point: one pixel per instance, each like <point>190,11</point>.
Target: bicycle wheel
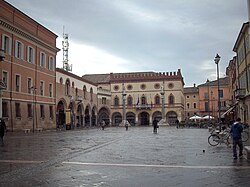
<point>244,136</point>
<point>213,140</point>
<point>229,139</point>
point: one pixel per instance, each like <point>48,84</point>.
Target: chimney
<point>194,85</point>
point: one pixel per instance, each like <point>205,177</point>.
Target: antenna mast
<point>65,45</point>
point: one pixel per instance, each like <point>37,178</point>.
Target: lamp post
<point>3,86</point>
<point>208,100</point>
<point>123,104</point>
<point>34,108</point>
<point>216,60</point>
<point>162,104</point>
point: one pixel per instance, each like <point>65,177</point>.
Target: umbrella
<point>195,117</point>
<point>208,117</point>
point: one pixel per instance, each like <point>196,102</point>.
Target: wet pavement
<point>115,157</point>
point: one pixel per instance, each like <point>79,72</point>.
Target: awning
<point>229,110</point>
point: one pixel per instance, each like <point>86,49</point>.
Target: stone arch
<point>171,117</point>
<point>156,115</point>
<point>60,113</point>
<point>104,115</point>
<point>87,115</point>
<point>143,118</point>
<point>79,115</point>
<point>94,116</point>
<point>130,117</point>
<point>116,119</point>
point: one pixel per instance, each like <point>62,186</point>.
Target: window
<point>51,63</point>
<point>17,83</point>
<point>50,90</point>
<point>42,59</point>
<point>19,50</point>
<point>194,105</point>
<point>67,87</point>
<point>42,114</point>
<point>188,105</point>
<point>84,92</point>
<point>187,96</point>
<point>29,85</point>
<point>221,93</point>
<point>130,100</point>
<point>116,101</point>
<point>18,110</point>
<point>30,113</point>
<point>143,100</point>
<point>157,100</point>
<point>194,96</point>
<point>91,94</point>
<point>30,54</point>
<point>171,99</point>
<point>104,101</point>
<point>41,88</point>
<point>51,113</point>
<point>206,95</point>
<point>6,44</point>
<point>5,78</point>
<point>76,91</point>
<point>206,106</point>
<point>5,109</point>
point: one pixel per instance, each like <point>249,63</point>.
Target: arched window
<point>129,100</point>
<point>61,80</point>
<point>67,87</point>
<point>188,105</point>
<point>91,94</point>
<point>84,90</point>
<point>171,99</point>
<point>76,91</point>
<point>157,100</point>
<point>143,100</point>
<point>116,101</point>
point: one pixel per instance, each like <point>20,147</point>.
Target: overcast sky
<point>143,35</point>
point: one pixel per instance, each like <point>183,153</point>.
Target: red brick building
<point>28,70</point>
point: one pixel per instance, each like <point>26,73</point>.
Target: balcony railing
<point>240,93</point>
<point>143,106</point>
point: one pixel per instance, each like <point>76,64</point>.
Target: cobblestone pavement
<point>115,157</point>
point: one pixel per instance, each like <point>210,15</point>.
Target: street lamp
<point>34,108</point>
<point>216,60</point>
<point>162,104</point>
<point>3,86</point>
<point>123,104</point>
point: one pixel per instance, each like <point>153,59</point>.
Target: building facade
<point>143,96</point>
<point>208,97</point>
<point>191,95</point>
<point>241,91</point>
<point>28,70</point>
<point>76,101</point>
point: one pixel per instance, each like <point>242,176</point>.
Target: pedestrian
<point>2,130</point>
<point>155,125</point>
<point>236,131</point>
<point>126,125</point>
<point>177,123</point>
<point>103,124</point>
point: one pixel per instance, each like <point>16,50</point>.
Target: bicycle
<point>218,137</point>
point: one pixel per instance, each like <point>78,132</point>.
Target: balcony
<point>143,106</point>
<point>240,93</point>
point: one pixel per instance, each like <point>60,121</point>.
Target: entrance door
<point>144,118</point>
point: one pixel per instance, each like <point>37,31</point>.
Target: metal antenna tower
<point>65,45</point>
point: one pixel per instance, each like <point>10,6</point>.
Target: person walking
<point>2,130</point>
<point>155,125</point>
<point>177,123</point>
<point>236,131</point>
<point>126,125</point>
<point>103,124</point>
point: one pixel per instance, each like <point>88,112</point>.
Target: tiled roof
<point>97,78</point>
<point>223,82</point>
<point>190,90</point>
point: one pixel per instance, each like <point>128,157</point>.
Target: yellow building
<point>139,96</point>
<point>191,101</point>
<point>242,91</point>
